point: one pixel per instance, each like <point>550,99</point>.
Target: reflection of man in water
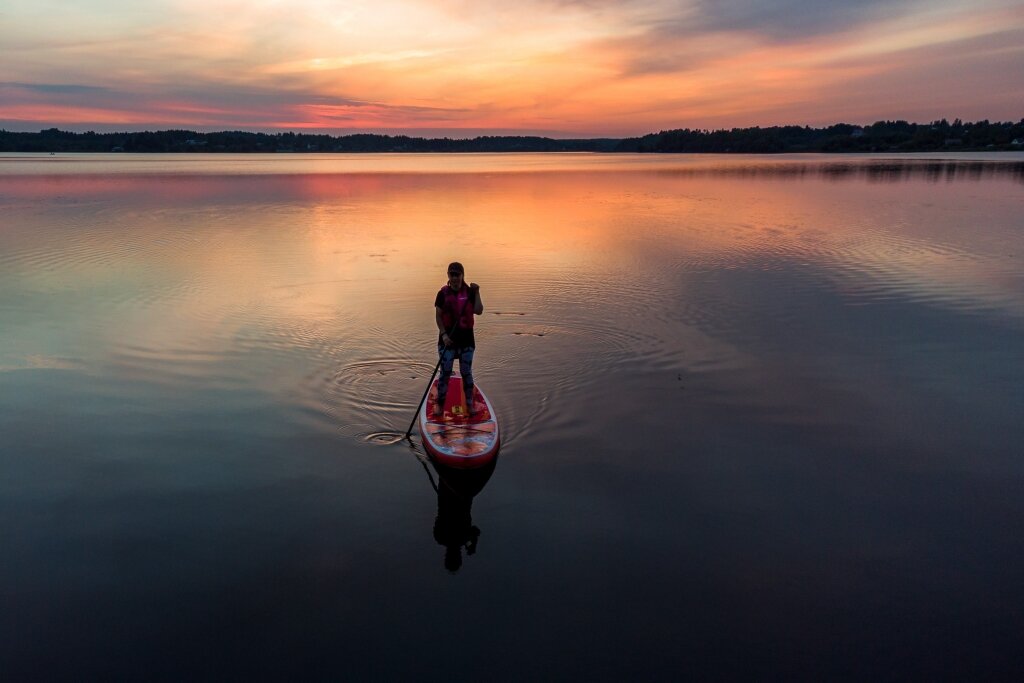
<point>453,527</point>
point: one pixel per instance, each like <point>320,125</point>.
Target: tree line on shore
<point>882,136</point>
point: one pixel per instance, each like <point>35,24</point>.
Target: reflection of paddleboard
<point>455,438</point>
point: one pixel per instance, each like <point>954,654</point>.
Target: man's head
<point>455,274</point>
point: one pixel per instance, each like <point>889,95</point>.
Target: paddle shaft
<point>425,393</point>
<point>436,368</point>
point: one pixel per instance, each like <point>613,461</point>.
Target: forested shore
<point>882,136</point>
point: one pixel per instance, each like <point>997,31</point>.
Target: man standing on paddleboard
<point>454,307</point>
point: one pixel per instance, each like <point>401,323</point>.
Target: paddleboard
<point>455,438</point>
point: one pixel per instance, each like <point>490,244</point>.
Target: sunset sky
<point>462,68</point>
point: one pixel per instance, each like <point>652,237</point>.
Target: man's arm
<point>478,304</point>
<point>439,320</point>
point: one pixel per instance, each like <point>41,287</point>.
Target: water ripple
<point>368,399</point>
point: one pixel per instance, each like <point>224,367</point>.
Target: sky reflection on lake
<point>761,416</point>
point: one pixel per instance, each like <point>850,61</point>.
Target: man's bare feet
<point>437,410</point>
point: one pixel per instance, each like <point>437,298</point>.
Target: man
<point>454,308</point>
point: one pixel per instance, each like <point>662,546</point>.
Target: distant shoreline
<point>882,136</point>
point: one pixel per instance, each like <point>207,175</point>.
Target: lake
<point>761,417</point>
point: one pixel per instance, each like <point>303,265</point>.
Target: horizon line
<point>474,133</point>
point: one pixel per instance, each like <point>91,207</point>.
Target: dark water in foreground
<point>762,418</point>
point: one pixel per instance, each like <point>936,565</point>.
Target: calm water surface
<point>762,417</point>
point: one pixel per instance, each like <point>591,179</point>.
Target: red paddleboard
<point>455,438</point>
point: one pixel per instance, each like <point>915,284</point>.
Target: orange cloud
<point>591,68</point>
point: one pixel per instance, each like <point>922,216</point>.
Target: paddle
<point>412,424</point>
